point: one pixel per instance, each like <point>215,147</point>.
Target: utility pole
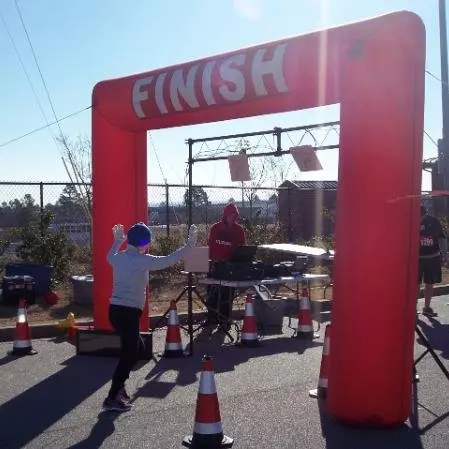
<point>444,69</point>
<point>443,143</point>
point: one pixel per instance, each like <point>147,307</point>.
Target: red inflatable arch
<point>375,70</point>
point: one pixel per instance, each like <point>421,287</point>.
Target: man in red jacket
<point>224,237</point>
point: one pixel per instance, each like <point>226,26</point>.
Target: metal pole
<point>167,209</point>
<point>289,204</point>
<point>444,70</point>
<point>41,197</point>
<point>278,134</point>
<point>443,144</point>
<point>189,223</point>
<point>268,132</point>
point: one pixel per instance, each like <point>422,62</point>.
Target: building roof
<point>310,185</point>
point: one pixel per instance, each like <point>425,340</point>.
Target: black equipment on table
<point>255,270</point>
<point>236,271</point>
<point>244,267</point>
<point>278,270</point>
<point>244,253</point>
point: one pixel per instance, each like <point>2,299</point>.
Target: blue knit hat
<point>139,234</point>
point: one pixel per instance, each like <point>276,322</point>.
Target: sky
<point>79,43</point>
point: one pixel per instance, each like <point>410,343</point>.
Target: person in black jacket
<point>432,253</point>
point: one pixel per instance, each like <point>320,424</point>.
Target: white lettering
<point>190,85</point>
<point>207,83</point>
<point>160,102</point>
<point>185,89</point>
<point>272,67</point>
<point>223,242</point>
<point>233,75</point>
<point>139,95</point>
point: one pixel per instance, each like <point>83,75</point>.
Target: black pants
<point>219,303</point>
<point>125,321</point>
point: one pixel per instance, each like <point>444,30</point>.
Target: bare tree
<point>77,160</point>
<point>278,169</point>
<point>263,170</point>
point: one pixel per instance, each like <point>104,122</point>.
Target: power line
<point>44,126</point>
<point>62,138</point>
<point>27,75</point>
<point>438,79</point>
<point>150,137</point>
<point>61,134</point>
<point>430,138</point>
<point>58,120</point>
<point>30,82</point>
<point>38,68</point>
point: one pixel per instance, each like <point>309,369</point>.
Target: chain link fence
<point>297,210</point>
<point>281,209</point>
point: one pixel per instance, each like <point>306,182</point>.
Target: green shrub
<point>4,245</point>
<point>40,245</point>
<point>326,242</point>
<point>163,244</point>
<point>262,233</point>
<point>82,258</point>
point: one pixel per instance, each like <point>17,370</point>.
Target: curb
<point>51,330</point>
<point>320,308</point>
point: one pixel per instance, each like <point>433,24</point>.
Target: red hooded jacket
<point>224,238</point>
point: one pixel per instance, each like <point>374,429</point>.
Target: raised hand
<point>118,232</point>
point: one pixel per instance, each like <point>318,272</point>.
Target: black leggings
<point>125,321</point>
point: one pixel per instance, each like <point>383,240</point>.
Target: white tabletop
<point>272,281</point>
<point>300,250</point>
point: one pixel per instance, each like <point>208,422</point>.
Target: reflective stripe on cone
<point>305,326</point>
<point>207,429</point>
<point>248,336</point>
<point>323,380</point>
<point>173,344</point>
<point>22,338</point>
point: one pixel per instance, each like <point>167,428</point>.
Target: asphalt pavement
<point>53,399</point>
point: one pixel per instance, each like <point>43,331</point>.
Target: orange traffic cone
<point>305,326</point>
<point>173,345</point>
<point>207,430</point>
<point>248,335</point>
<point>22,339</point>
<point>323,380</point>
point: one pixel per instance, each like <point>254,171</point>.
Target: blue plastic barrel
<point>41,274</point>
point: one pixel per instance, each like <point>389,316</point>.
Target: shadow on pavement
<point>9,359</point>
<point>340,436</point>
<point>437,334</point>
<point>225,359</point>
<point>44,404</point>
<point>102,429</point>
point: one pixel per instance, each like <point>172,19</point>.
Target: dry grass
<point>161,294</point>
